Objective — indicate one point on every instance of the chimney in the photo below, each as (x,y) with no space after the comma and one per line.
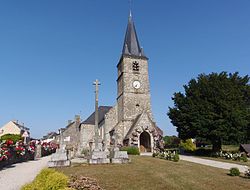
(77,122)
(77,118)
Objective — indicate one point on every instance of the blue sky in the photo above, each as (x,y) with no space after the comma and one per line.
(52,51)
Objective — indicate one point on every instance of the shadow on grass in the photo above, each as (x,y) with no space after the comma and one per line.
(245,177)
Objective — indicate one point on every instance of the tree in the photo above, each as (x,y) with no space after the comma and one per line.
(215,107)
(171,142)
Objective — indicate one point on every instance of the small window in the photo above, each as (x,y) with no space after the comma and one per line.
(137,105)
(135,66)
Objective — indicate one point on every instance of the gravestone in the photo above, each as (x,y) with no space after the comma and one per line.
(99,157)
(59,159)
(119,157)
(38,152)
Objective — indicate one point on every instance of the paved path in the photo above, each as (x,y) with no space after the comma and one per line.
(213,163)
(17,175)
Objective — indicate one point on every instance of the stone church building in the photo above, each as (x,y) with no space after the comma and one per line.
(130,122)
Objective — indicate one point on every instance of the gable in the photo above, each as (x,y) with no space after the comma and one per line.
(10,128)
(141,123)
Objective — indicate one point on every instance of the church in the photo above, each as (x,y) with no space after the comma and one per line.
(130,122)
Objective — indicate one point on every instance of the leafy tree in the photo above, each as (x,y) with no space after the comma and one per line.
(215,107)
(171,142)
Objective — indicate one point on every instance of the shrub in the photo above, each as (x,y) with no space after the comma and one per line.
(176,157)
(155,154)
(14,137)
(204,152)
(244,157)
(48,179)
(234,172)
(161,155)
(131,150)
(188,145)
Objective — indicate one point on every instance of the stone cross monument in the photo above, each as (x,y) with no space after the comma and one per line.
(98,156)
(96,83)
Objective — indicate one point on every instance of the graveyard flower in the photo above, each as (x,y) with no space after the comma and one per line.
(9,142)
(19,143)
(20,150)
(31,149)
(4,154)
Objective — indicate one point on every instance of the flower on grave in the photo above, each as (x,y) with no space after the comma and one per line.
(9,142)
(20,150)
(4,154)
(19,143)
(32,143)
(31,149)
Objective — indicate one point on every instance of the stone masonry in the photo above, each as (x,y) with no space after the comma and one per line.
(130,122)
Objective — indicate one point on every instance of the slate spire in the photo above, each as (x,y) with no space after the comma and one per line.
(131,44)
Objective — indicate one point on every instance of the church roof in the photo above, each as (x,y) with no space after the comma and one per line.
(131,44)
(102,110)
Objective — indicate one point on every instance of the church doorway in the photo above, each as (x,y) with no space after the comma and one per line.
(145,144)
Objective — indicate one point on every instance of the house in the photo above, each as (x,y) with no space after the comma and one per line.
(245,148)
(51,137)
(70,135)
(14,127)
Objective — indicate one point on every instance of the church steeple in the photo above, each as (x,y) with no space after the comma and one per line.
(131,44)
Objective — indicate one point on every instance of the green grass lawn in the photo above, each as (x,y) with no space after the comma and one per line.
(230,148)
(152,173)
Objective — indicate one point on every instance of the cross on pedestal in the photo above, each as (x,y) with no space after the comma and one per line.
(96,83)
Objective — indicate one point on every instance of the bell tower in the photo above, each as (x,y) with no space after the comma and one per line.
(133,91)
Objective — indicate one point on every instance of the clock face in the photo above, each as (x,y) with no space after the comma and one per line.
(136,84)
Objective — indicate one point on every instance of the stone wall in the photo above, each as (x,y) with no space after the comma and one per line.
(86,136)
(111,120)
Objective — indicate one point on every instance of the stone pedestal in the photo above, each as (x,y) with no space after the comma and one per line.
(99,157)
(99,147)
(120,157)
(59,159)
(79,161)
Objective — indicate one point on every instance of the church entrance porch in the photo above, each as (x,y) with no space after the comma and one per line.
(145,142)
